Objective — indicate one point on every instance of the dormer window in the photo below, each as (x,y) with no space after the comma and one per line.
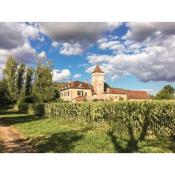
(80,85)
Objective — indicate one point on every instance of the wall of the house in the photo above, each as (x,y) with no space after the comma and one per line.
(112,97)
(70,94)
(116,97)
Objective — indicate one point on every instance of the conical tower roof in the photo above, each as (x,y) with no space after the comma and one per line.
(97,69)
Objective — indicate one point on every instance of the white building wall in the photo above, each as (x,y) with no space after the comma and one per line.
(70,94)
(98,83)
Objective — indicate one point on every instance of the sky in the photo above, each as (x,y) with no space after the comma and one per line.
(138,56)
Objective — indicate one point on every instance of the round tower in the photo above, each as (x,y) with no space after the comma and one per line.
(98,80)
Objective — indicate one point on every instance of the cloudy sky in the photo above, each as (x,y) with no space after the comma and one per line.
(132,55)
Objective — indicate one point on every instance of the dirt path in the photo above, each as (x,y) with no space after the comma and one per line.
(13,141)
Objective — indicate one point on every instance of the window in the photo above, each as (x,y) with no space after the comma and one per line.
(67,93)
(80,93)
(85,93)
(80,85)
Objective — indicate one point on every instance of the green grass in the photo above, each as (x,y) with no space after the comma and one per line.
(55,135)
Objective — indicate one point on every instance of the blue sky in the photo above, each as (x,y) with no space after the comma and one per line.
(132,55)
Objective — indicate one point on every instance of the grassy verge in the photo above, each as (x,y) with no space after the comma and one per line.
(55,135)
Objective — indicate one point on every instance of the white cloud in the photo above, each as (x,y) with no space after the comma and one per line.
(94,59)
(141,31)
(108,44)
(71,49)
(156,61)
(76,31)
(14,41)
(77,75)
(16,34)
(24,53)
(111,43)
(55,44)
(42,55)
(147,51)
(102,40)
(61,75)
(75,36)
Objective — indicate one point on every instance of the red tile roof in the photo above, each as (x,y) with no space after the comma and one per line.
(137,94)
(131,94)
(97,69)
(115,91)
(77,85)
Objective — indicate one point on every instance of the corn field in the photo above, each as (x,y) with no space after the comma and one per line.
(126,119)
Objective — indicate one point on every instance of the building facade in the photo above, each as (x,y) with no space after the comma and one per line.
(82,91)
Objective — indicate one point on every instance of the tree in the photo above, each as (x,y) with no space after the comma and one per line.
(4,94)
(166,93)
(20,79)
(42,88)
(10,75)
(28,82)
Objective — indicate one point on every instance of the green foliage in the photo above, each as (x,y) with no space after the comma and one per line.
(4,94)
(61,135)
(42,88)
(20,79)
(19,83)
(128,119)
(21,107)
(28,82)
(166,93)
(36,109)
(10,76)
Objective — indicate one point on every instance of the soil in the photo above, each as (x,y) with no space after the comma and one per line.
(12,141)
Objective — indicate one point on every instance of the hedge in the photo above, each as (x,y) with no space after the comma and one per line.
(33,108)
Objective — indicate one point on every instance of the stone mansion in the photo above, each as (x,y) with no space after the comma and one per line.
(82,91)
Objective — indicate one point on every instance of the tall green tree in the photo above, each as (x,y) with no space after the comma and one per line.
(166,93)
(28,82)
(42,88)
(20,79)
(9,74)
(4,93)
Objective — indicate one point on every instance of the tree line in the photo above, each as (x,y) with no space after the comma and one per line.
(21,83)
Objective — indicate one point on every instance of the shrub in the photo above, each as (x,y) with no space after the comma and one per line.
(36,109)
(21,107)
